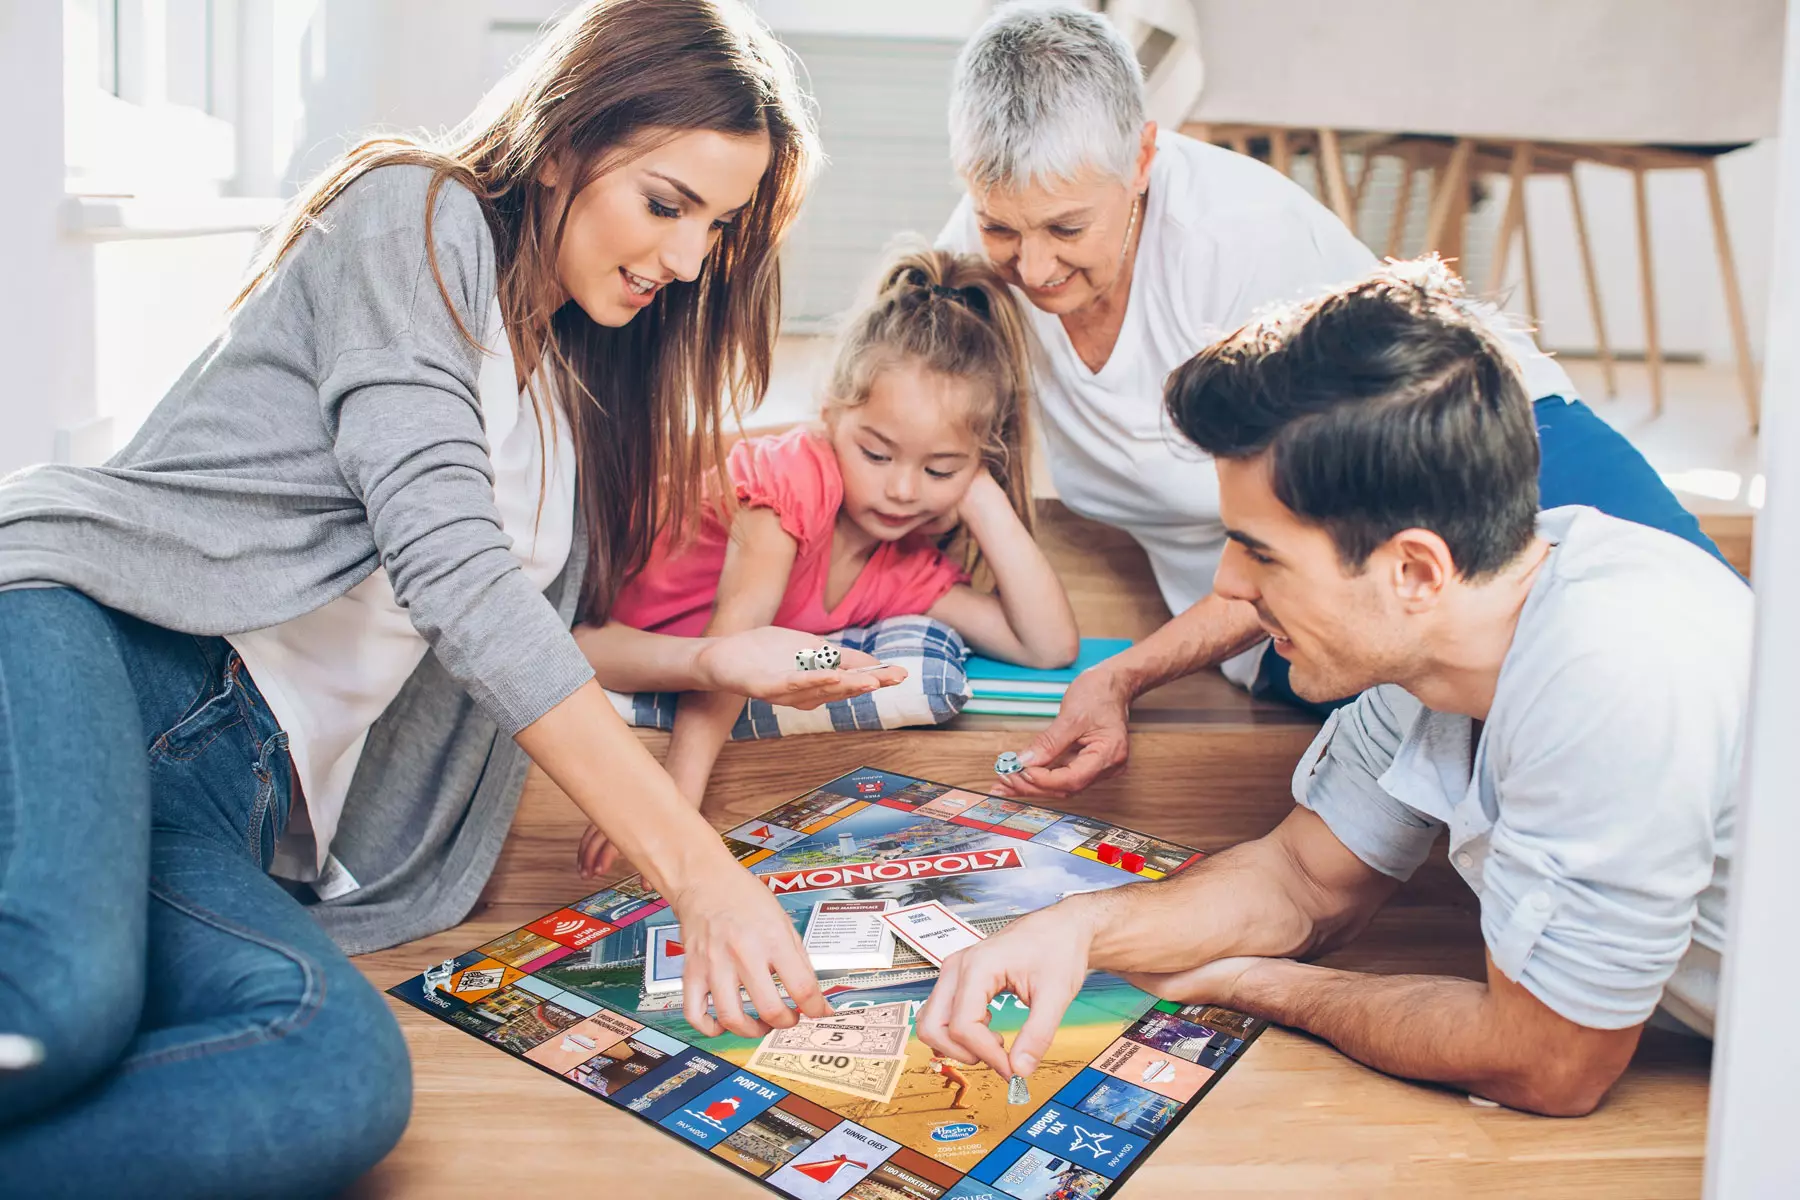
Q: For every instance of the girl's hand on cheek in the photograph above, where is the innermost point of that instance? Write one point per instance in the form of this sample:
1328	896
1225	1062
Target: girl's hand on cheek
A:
984	494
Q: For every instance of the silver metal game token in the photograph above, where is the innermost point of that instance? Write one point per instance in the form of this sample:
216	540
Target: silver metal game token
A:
1017	1092
436	977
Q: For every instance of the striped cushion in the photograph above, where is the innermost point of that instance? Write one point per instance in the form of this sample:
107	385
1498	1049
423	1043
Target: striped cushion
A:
934	691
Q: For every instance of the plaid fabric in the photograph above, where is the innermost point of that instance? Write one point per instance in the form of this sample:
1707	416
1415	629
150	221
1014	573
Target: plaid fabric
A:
935	689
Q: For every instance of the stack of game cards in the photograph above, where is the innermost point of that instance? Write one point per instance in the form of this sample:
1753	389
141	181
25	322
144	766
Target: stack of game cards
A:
859	1052
849	935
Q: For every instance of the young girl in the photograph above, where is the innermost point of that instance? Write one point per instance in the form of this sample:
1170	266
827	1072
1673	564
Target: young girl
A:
919	471
315	601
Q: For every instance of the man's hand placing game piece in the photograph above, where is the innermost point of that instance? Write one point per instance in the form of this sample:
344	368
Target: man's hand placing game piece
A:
735	933
1093	724
761	663
1041	958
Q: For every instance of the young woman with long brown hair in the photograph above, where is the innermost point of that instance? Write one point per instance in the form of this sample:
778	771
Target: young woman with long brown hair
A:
311	620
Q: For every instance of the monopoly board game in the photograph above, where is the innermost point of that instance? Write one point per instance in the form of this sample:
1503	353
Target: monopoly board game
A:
855	1105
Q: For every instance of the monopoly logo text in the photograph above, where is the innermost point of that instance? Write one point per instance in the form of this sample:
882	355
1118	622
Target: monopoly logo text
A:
898	870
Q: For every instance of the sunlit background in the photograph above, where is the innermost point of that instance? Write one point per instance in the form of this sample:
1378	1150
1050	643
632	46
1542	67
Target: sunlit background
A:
165	133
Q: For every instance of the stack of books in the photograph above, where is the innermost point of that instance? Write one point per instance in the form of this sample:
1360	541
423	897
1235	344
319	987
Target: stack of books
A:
1001	689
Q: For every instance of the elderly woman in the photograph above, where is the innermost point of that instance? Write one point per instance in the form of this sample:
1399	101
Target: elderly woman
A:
1136	248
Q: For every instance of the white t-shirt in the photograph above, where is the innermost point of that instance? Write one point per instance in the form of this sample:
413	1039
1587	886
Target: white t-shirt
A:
328	675
1594	819
1224	237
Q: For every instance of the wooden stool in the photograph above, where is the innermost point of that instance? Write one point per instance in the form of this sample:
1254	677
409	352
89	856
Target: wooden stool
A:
1454	164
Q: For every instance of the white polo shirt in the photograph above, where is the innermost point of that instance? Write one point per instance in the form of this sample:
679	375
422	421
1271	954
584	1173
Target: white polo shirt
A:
1595	823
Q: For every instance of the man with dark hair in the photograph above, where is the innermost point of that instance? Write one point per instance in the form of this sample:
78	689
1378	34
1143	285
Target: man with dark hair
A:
1562	693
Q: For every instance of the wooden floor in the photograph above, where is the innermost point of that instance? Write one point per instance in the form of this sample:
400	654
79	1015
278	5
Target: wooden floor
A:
1209	768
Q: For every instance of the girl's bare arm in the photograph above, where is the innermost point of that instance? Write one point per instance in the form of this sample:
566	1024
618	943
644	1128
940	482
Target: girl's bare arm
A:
1027	620
758	562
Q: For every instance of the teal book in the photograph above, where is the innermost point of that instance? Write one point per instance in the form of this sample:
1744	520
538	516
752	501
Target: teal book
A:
992	679
1006	706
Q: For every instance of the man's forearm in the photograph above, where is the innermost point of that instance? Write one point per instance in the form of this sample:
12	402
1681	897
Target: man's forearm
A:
1239	901
1419	1026
1429	1027
1208	633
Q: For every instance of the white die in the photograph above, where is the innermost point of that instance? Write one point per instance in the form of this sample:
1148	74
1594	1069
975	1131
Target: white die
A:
826	658
805	660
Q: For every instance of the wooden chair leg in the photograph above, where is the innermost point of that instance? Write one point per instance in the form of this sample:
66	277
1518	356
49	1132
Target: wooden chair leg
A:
1531	295
1511	216
1396	240
1360	188
1281	155
1336	183
1450	203
1588	277
1734	296
1652	344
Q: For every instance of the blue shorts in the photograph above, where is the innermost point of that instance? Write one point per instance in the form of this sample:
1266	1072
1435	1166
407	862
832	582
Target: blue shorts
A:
1583	460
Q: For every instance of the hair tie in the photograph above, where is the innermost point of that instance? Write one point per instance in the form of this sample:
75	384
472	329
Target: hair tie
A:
971	297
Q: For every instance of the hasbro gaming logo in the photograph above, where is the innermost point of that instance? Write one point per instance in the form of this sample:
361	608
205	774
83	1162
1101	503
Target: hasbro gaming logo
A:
955	1132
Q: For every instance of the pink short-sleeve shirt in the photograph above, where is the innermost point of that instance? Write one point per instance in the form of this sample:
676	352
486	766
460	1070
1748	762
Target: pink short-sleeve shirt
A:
794	474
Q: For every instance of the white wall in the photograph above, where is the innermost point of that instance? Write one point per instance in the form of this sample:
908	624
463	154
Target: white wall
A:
875	18
424	64
1751	1149
46	372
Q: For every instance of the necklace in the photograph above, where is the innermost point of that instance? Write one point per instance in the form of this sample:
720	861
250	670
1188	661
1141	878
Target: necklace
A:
1137	205
1093	316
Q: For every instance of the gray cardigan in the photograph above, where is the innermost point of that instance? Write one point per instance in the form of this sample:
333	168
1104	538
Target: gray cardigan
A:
334	425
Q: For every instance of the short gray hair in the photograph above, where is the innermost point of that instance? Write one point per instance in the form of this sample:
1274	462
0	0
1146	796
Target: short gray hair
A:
1042	92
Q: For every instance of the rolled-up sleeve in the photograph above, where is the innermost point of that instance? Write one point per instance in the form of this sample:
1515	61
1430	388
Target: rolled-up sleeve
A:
1339	778
1605	834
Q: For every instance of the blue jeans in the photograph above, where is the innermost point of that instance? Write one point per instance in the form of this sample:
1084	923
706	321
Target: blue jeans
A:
201	1034
1583	460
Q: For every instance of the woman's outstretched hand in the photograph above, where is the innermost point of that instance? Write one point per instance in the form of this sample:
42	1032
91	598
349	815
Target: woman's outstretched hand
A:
760	663
735	933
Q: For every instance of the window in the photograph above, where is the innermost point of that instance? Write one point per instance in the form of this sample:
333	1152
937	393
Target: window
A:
149	94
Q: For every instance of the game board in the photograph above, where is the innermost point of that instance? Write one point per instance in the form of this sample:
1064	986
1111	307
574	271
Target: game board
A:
566	993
